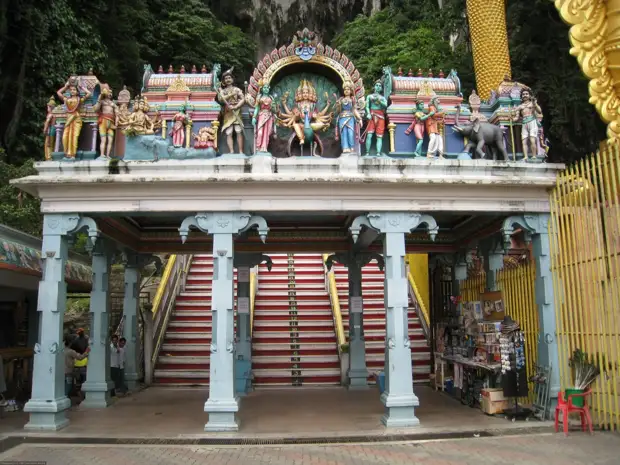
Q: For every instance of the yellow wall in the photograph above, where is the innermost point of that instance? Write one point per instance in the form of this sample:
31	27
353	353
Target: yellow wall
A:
418	263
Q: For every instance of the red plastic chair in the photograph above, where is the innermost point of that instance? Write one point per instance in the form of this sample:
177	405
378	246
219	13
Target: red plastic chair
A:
567	407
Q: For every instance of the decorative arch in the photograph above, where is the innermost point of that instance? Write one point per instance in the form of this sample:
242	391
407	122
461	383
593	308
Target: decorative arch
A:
304	49
595	40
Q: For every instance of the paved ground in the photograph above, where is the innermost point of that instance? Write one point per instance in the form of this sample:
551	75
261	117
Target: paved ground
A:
543	449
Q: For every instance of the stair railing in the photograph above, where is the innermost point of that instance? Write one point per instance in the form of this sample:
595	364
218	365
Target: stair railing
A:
253	290
418	304
171	284
330	286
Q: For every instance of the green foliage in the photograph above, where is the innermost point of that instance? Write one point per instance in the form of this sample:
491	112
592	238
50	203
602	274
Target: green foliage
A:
18	209
539	52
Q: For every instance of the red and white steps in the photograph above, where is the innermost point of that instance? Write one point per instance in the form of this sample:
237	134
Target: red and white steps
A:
184	355
374	322
293	338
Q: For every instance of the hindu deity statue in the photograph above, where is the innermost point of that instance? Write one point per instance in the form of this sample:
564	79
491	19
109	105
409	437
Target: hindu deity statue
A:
49	129
528	113
264	118
349	119
73	124
139	123
107	120
205	139
232	99
376	106
122	112
434	126
304	118
180	120
417	126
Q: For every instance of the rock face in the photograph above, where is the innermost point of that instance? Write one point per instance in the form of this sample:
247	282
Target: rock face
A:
275	21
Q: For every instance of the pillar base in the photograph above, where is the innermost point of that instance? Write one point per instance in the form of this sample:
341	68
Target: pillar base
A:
47	416
222	415
243	370
358	379
399	410
97	395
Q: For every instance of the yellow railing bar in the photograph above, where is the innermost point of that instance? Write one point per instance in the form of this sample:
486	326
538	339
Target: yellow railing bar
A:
253	289
162	283
418	297
333	293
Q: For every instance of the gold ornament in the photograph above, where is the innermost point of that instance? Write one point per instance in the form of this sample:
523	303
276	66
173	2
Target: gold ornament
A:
178	85
595	39
489	40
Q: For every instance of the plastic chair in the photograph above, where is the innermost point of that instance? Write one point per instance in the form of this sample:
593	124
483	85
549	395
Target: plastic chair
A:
567	407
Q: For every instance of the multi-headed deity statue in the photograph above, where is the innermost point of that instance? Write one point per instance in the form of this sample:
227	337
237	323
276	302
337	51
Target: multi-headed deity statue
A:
49	129
107	120
139	123
349	119
304	118
205	139
528	113
434	126
376	106
73	124
264	119
122	112
179	121
232	99
417	126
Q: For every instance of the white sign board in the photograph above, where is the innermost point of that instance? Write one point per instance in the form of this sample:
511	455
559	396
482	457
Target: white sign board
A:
243	275
356	305
243	305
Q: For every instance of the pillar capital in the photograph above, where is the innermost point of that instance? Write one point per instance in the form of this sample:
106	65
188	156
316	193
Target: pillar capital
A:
353	259
536	223
132	259
393	222
224	223
251	260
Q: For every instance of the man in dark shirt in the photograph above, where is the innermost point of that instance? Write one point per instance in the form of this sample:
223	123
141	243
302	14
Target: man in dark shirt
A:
80	344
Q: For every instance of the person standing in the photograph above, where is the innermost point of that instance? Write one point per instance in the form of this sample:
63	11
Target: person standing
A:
115	364
70	358
121	362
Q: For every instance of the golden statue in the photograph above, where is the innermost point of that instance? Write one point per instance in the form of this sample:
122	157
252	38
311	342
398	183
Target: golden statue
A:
139	122
123	113
73	124
304	118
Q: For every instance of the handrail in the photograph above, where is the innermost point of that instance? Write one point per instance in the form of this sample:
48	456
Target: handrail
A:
172	282
335	302
420	308
162	283
253	290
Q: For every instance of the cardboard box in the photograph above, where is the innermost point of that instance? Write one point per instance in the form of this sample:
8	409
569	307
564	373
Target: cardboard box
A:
493	401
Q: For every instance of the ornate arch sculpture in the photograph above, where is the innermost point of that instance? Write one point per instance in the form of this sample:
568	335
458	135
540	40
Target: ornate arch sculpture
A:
305	48
595	40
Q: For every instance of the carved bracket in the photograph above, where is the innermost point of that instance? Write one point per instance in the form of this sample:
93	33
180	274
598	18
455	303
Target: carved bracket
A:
530	224
224	223
69	224
359	259
252	259
393	222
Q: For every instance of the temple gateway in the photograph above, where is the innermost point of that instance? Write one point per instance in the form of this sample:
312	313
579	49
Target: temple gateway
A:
301	211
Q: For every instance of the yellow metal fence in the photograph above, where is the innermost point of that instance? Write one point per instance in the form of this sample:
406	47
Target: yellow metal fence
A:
585	242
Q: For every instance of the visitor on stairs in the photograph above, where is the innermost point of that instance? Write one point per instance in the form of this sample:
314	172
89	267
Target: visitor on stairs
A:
115	364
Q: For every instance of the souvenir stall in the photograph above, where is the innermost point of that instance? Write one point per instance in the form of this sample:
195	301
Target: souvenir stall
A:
480	356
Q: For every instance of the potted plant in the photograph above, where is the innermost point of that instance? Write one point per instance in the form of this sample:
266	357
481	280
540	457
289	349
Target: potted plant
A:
344	363
585	371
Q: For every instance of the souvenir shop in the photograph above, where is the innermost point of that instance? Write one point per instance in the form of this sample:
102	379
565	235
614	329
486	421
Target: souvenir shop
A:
480	359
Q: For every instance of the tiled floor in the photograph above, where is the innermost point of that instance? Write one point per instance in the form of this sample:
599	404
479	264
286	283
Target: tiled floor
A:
541	449
173	413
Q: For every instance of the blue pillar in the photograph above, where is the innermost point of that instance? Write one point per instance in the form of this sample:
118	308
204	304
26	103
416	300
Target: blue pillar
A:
222	404
493	254
398	398
536	228
243	353
131	304
48	402
357	372
98	381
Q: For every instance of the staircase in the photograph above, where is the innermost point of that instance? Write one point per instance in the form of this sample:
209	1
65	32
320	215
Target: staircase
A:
374	322
184	356
293	340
